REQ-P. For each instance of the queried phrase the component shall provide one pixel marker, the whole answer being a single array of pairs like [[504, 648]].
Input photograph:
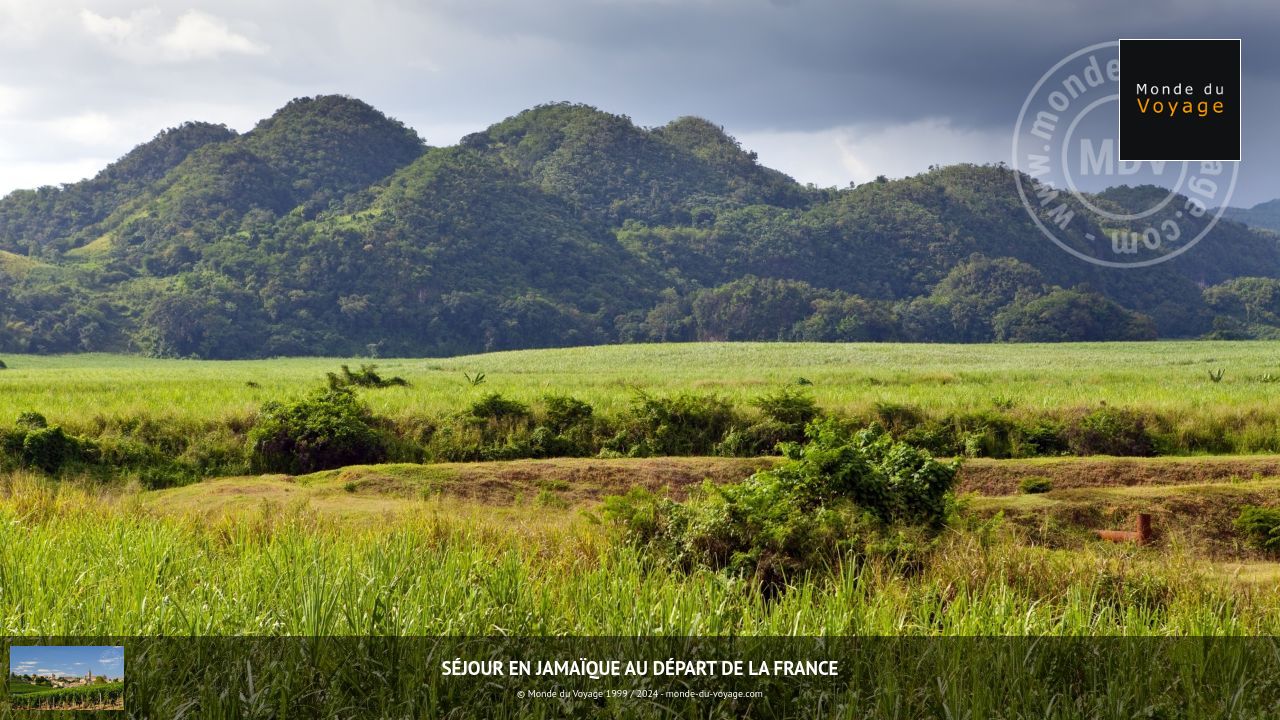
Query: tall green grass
[[73, 562]]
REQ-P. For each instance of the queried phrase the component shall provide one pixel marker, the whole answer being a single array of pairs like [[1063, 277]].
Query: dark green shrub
[[495, 407], [50, 448], [1042, 436], [32, 420], [1035, 484], [684, 424], [3, 366], [898, 417], [835, 494], [788, 406], [785, 415], [762, 438], [327, 429], [1260, 527], [366, 377], [564, 413], [11, 446], [1109, 431]]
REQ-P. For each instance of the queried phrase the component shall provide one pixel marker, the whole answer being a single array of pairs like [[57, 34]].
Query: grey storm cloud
[[84, 81]]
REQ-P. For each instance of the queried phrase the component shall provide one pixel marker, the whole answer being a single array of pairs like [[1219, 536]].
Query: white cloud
[[90, 128], [15, 175], [144, 37], [199, 36], [113, 29], [859, 153]]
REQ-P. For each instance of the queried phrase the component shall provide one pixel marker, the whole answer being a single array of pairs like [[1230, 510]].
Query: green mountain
[[331, 229]]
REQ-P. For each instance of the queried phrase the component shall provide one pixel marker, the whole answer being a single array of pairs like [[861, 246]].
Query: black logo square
[[1179, 100]]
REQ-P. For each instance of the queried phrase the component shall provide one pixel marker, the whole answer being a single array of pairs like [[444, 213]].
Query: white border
[[1240, 90]]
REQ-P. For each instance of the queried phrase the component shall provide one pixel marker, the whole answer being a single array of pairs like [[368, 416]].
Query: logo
[[1101, 209]]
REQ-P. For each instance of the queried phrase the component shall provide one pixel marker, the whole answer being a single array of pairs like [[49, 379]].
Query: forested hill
[[331, 229]]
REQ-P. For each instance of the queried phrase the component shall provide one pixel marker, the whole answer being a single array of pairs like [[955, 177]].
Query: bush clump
[[784, 416], [31, 420], [840, 492], [684, 424], [495, 407], [1035, 484], [366, 377], [1110, 431], [33, 443], [328, 429], [1261, 527]]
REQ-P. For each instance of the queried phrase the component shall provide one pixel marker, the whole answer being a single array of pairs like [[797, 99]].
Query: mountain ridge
[[330, 228]]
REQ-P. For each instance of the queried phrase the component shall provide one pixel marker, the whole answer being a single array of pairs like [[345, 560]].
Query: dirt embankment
[[1001, 477]]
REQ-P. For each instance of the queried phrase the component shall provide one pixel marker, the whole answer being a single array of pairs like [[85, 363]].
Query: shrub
[[1043, 436], [788, 406], [1109, 431], [1035, 484], [898, 417], [837, 493], [366, 376], [1260, 527], [785, 415], [327, 429], [495, 407], [684, 424], [49, 448], [3, 366], [565, 413], [32, 420], [760, 438]]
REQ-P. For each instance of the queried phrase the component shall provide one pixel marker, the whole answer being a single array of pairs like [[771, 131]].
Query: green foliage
[[1035, 484], [1261, 527], [495, 407], [366, 377], [565, 413], [1071, 316], [1109, 431], [788, 406], [683, 424], [838, 493], [784, 415], [324, 430], [31, 420], [35, 444]]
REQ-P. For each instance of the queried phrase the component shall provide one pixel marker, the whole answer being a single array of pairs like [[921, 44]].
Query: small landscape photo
[[66, 677]]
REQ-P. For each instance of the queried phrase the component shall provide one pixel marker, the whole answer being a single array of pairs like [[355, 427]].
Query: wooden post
[[1144, 528]]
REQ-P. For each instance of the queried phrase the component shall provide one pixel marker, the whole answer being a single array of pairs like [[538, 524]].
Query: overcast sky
[[828, 91]]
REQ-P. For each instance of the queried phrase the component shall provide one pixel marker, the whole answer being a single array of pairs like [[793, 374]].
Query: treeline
[[330, 229]]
